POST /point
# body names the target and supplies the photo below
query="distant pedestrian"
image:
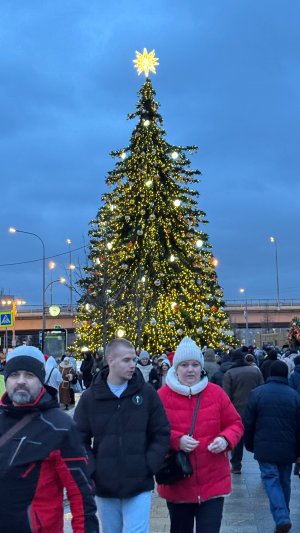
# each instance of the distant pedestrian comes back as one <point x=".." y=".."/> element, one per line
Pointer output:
<point x="210" y="363"/>
<point x="272" y="432"/>
<point x="144" y="365"/>
<point x="294" y="379"/>
<point x="53" y="376"/>
<point x="86" y="368"/>
<point x="67" y="372"/>
<point x="267" y="362"/>
<point x="238" y="382"/>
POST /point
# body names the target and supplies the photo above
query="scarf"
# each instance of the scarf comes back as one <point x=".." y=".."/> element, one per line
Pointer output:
<point x="185" y="390"/>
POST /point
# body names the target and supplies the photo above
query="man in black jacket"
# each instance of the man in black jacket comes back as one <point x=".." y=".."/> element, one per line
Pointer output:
<point x="40" y="454"/>
<point x="272" y="432"/>
<point x="127" y="422"/>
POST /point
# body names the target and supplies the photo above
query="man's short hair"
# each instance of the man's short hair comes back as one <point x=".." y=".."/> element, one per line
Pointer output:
<point x="114" y="344"/>
<point x="279" y="369"/>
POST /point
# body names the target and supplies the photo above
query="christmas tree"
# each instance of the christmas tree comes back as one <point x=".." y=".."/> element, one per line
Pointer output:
<point x="151" y="272"/>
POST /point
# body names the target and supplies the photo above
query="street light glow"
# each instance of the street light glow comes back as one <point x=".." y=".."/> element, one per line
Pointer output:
<point x="272" y="239"/>
<point x="68" y="241"/>
<point x="12" y="230"/>
<point x="52" y="265"/>
<point x="242" y="290"/>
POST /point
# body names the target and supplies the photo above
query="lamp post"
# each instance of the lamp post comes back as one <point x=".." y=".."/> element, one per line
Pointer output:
<point x="51" y="265"/>
<point x="14" y="230"/>
<point x="243" y="291"/>
<point x="273" y="240"/>
<point x="71" y="268"/>
<point x="59" y="280"/>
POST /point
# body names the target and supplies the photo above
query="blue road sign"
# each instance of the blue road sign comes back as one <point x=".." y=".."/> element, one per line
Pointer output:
<point x="6" y="319"/>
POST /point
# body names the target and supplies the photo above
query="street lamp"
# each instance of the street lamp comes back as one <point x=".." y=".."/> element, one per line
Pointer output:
<point x="59" y="280"/>
<point x="71" y="268"/>
<point x="14" y="230"/>
<point x="243" y="291"/>
<point x="273" y="240"/>
<point x="51" y="265"/>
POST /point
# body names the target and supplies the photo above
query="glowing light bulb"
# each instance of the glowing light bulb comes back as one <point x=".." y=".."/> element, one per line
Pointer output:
<point x="148" y="183"/>
<point x="177" y="202"/>
<point x="146" y="123"/>
<point x="174" y="155"/>
<point x="199" y="243"/>
<point x="109" y="245"/>
<point x="172" y="258"/>
<point x="120" y="333"/>
<point x="123" y="155"/>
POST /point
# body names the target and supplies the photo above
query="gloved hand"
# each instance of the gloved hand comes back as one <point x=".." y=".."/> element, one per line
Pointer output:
<point x="218" y="445"/>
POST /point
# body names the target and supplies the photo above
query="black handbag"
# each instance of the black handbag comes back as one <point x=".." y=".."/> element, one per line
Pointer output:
<point x="176" y="465"/>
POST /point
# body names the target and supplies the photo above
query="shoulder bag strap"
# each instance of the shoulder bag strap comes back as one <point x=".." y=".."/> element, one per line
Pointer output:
<point x="48" y="379"/>
<point x="195" y="416"/>
<point x="14" y="429"/>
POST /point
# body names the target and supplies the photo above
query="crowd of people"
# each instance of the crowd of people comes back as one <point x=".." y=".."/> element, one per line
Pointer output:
<point x="136" y="410"/>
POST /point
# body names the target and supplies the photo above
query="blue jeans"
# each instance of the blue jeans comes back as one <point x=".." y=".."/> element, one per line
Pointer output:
<point x="128" y="515"/>
<point x="277" y="482"/>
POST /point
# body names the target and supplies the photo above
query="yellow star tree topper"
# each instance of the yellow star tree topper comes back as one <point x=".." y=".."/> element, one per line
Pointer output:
<point x="146" y="62"/>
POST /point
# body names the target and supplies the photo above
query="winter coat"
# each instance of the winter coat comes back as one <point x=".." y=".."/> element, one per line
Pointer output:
<point x="211" y="368"/>
<point x="86" y="368"/>
<point x="64" y="387"/>
<point x="218" y="376"/>
<point x="53" y="376"/>
<point x="145" y="370"/>
<point x="45" y="456"/>
<point x="272" y="422"/>
<point x="216" y="416"/>
<point x="239" y="381"/>
<point x="266" y="367"/>
<point x="130" y="435"/>
<point x="294" y="379"/>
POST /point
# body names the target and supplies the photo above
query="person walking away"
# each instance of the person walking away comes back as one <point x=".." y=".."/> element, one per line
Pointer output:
<point x="267" y="362"/>
<point x="272" y="432"/>
<point x="53" y="376"/>
<point x="144" y="365"/>
<point x="126" y="431"/>
<point x="210" y="363"/>
<point x="238" y="382"/>
<point x="86" y="368"/>
<point x="67" y="373"/>
<point x="40" y="454"/>
<point x="294" y="379"/>
<point x="200" y="497"/>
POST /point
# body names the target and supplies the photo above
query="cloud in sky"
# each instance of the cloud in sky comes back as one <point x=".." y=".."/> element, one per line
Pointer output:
<point x="228" y="81"/>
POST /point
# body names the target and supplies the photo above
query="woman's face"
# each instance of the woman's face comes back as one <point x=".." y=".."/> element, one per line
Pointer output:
<point x="189" y="372"/>
<point x="164" y="368"/>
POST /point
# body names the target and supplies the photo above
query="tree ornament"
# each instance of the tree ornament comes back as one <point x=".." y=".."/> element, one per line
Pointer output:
<point x="153" y="322"/>
<point x="171" y="323"/>
<point x="180" y="331"/>
<point x="140" y="232"/>
<point x="199" y="331"/>
<point x="157" y="282"/>
<point x="124" y="266"/>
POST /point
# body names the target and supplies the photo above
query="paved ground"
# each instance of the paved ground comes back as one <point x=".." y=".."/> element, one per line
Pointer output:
<point x="246" y="509"/>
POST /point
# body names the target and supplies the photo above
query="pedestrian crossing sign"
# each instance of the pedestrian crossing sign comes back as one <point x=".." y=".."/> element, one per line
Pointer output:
<point x="6" y="319"/>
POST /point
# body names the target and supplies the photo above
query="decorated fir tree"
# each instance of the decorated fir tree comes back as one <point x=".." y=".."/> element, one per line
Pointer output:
<point x="151" y="273"/>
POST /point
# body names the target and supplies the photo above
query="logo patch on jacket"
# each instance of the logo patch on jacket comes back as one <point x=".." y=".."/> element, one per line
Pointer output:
<point x="137" y="399"/>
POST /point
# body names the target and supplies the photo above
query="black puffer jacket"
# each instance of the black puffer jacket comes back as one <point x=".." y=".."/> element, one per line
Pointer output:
<point x="131" y="435"/>
<point x="272" y="422"/>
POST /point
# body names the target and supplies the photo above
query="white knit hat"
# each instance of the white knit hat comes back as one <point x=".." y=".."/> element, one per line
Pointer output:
<point x="188" y="350"/>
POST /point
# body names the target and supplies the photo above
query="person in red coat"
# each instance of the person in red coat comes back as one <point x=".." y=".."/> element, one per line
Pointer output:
<point x="218" y="429"/>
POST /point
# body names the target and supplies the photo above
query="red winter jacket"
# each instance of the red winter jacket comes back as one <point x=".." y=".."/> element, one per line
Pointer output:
<point x="216" y="417"/>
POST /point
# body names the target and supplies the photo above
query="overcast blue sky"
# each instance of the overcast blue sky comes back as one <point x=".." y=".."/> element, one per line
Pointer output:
<point x="228" y="81"/>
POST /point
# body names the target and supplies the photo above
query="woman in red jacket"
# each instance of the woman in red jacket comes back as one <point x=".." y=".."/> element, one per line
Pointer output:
<point x="217" y="430"/>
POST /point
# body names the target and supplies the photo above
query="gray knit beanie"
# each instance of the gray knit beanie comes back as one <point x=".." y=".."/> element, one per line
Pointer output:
<point x="188" y="350"/>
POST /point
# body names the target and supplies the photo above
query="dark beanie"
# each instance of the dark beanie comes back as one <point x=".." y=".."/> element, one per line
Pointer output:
<point x="279" y="369"/>
<point x="28" y="359"/>
<point x="237" y="355"/>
